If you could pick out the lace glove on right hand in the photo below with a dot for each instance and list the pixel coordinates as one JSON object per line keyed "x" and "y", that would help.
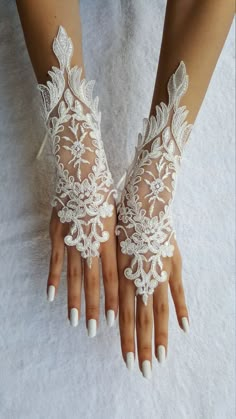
{"x": 145, "y": 226}
{"x": 84, "y": 186}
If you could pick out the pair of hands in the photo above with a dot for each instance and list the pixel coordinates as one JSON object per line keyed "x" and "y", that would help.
{"x": 145, "y": 258}
{"x": 119, "y": 291}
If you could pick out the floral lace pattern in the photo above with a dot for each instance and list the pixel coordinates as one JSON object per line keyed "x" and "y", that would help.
{"x": 84, "y": 194}
{"x": 145, "y": 223}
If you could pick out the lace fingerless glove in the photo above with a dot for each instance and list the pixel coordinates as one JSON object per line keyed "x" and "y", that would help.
{"x": 84, "y": 192}
{"x": 145, "y": 222}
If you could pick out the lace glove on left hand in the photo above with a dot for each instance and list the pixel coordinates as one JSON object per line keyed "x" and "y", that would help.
{"x": 145, "y": 227}
{"x": 84, "y": 193}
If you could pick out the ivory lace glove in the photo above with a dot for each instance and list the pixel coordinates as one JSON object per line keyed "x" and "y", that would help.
{"x": 84, "y": 193}
{"x": 145, "y": 222}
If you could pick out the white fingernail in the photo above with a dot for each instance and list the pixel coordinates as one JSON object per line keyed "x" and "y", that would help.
{"x": 130, "y": 360}
{"x": 51, "y": 292}
{"x": 161, "y": 353}
{"x": 146, "y": 369}
{"x": 185, "y": 324}
{"x": 110, "y": 317}
{"x": 92, "y": 328}
{"x": 74, "y": 317}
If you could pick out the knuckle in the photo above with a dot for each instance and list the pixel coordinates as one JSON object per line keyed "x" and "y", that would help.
{"x": 73, "y": 273}
{"x": 146, "y": 348}
{"x": 144, "y": 321}
{"x": 109, "y": 277}
{"x": 125, "y": 286}
{"x": 127, "y": 344}
{"x": 162, "y": 308}
{"x": 126, "y": 317}
{"x": 145, "y": 351}
{"x": 53, "y": 278}
{"x": 92, "y": 281}
{"x": 92, "y": 311}
{"x": 161, "y": 337}
{"x": 56, "y": 257}
{"x": 111, "y": 301}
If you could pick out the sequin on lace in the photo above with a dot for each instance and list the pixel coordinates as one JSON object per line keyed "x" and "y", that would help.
{"x": 145, "y": 223}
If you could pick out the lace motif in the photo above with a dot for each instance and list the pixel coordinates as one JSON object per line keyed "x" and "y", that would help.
{"x": 84, "y": 194}
{"x": 144, "y": 214}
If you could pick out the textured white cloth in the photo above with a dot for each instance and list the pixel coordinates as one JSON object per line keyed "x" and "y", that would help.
{"x": 48, "y": 369}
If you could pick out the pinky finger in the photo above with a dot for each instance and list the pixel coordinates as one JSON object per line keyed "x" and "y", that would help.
{"x": 55, "y": 269}
{"x": 177, "y": 292}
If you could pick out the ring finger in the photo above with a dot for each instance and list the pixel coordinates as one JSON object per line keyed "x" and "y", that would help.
{"x": 92, "y": 293}
{"x": 74, "y": 274}
{"x": 161, "y": 319}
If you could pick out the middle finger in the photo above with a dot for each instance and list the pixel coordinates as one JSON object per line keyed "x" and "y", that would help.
{"x": 74, "y": 274}
{"x": 144, "y": 325}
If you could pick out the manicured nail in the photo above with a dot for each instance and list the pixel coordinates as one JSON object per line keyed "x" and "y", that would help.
{"x": 92, "y": 328}
{"x": 51, "y": 292}
{"x": 110, "y": 317}
{"x": 185, "y": 324}
{"x": 130, "y": 360}
{"x": 146, "y": 369}
{"x": 74, "y": 317}
{"x": 161, "y": 353}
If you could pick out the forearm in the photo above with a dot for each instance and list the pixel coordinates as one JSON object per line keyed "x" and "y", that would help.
{"x": 40, "y": 22}
{"x": 194, "y": 32}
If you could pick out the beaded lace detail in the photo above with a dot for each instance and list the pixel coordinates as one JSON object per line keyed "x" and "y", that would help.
{"x": 84, "y": 193}
{"x": 145, "y": 222}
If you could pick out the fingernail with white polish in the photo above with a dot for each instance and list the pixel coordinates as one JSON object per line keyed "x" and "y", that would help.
{"x": 161, "y": 353}
{"x": 185, "y": 324}
{"x": 130, "y": 360}
{"x": 74, "y": 317}
{"x": 146, "y": 369}
{"x": 110, "y": 317}
{"x": 92, "y": 328}
{"x": 51, "y": 293}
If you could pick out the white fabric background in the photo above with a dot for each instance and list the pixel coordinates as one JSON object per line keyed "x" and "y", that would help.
{"x": 48, "y": 369}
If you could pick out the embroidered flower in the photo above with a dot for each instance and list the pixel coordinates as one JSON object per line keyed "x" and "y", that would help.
{"x": 157, "y": 186}
{"x": 66, "y": 215}
{"x": 77, "y": 149}
{"x": 167, "y": 250}
{"x": 127, "y": 247}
